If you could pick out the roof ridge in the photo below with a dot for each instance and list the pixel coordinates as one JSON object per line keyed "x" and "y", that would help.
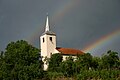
{"x": 69, "y": 51}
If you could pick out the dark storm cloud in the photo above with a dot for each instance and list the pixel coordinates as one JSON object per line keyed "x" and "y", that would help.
{"x": 88, "y": 22}
{"x": 83, "y": 24}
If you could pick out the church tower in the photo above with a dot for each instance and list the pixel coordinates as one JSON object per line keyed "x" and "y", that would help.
{"x": 48, "y": 46}
{"x": 48, "y": 43}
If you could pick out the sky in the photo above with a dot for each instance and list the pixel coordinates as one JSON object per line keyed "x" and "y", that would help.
{"x": 89, "y": 25}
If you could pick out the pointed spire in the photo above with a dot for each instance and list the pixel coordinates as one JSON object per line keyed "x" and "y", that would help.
{"x": 47, "y": 24}
{"x": 47, "y": 28}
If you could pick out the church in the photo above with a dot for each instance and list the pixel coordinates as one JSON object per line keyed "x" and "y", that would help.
{"x": 48, "y": 46}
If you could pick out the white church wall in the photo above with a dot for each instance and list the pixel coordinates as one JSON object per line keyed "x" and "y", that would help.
{"x": 66, "y": 56}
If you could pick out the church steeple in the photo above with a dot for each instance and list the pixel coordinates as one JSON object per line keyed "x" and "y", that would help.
{"x": 48, "y": 43}
{"x": 47, "y": 24}
{"x": 47, "y": 28}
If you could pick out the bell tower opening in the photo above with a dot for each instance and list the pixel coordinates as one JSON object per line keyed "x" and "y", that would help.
{"x": 50, "y": 38}
{"x": 43, "y": 40}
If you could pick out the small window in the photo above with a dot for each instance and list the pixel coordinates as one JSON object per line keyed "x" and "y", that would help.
{"x": 43, "y": 40}
{"x": 50, "y": 38}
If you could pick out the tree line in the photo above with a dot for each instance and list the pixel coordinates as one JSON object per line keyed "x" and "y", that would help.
{"x": 22, "y": 61}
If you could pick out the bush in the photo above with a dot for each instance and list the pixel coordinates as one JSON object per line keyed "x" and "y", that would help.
{"x": 54, "y": 75}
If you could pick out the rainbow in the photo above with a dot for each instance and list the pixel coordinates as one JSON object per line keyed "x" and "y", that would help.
{"x": 64, "y": 9}
{"x": 57, "y": 15}
{"x": 102, "y": 41}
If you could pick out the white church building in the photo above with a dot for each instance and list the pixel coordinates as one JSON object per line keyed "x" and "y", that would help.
{"x": 48, "y": 46}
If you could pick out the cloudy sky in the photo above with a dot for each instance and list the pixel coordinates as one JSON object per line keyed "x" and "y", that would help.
{"x": 89, "y": 25}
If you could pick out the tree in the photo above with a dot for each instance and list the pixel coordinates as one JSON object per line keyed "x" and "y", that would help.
{"x": 67, "y": 67}
{"x": 110, "y": 60}
{"x": 95, "y": 63}
{"x": 1, "y": 57}
{"x": 85, "y": 60}
{"x": 54, "y": 62}
{"x": 21, "y": 61}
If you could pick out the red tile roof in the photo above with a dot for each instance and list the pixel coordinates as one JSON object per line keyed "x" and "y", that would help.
{"x": 69, "y": 51}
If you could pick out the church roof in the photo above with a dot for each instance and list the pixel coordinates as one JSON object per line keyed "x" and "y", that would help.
{"x": 69, "y": 51}
{"x": 49, "y": 33}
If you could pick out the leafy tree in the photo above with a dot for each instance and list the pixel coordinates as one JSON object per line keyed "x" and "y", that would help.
{"x": 67, "y": 67}
{"x": 85, "y": 60}
{"x": 21, "y": 61}
{"x": 1, "y": 57}
{"x": 110, "y": 60}
{"x": 95, "y": 63}
{"x": 54, "y": 62}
